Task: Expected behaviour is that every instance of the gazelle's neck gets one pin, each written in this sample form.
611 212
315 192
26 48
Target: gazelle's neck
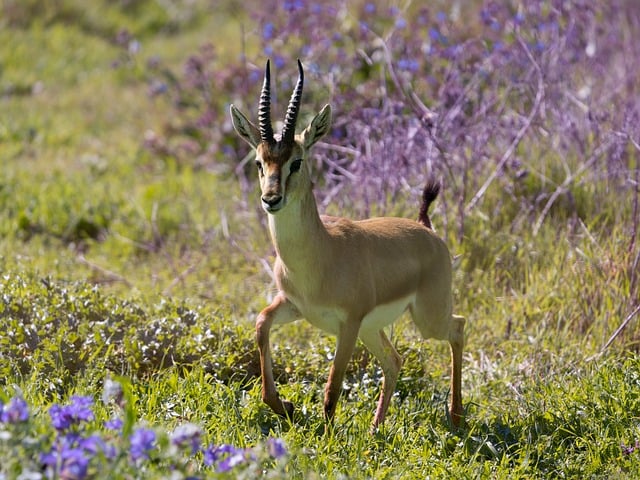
297 231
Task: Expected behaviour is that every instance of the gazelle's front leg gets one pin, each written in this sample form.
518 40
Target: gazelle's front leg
280 311
346 342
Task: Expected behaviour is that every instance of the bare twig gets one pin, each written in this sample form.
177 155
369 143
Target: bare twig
180 278
519 136
636 218
562 188
636 203
108 274
622 326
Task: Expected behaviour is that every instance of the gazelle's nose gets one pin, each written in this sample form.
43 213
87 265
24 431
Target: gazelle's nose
272 202
272 199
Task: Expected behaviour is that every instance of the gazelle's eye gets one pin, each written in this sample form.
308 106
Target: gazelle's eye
295 165
259 165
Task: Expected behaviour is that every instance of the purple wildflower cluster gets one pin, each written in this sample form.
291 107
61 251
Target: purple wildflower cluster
16 411
63 417
77 449
484 97
226 457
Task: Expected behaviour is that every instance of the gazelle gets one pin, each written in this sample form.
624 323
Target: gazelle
349 278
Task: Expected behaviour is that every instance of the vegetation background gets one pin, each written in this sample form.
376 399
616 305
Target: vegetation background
132 244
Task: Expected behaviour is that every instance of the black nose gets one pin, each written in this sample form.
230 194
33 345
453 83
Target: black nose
272 200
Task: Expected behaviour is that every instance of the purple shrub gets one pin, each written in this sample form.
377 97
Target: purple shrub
483 99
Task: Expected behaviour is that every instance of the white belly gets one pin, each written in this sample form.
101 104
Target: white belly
330 319
327 319
385 314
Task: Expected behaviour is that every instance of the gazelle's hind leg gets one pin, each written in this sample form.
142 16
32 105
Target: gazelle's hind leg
380 347
456 341
437 323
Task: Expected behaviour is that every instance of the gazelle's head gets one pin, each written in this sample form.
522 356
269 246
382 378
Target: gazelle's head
283 177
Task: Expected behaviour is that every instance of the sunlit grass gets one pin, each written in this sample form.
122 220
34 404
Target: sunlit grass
116 261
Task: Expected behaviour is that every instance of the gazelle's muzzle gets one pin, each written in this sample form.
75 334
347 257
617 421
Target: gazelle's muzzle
272 193
272 203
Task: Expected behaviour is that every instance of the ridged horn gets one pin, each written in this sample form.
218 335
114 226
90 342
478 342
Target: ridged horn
289 129
264 110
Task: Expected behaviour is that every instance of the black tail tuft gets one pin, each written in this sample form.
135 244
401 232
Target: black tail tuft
429 194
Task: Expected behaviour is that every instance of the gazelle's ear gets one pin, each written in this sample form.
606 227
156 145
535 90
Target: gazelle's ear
247 130
318 127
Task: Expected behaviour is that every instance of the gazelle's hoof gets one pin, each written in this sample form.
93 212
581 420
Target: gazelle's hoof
457 417
288 409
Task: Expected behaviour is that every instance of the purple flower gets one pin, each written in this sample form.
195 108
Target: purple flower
141 442
370 8
15 411
498 46
401 23
279 61
185 435
486 16
113 424
408 64
628 450
213 453
157 87
276 447
224 457
63 417
293 5
66 463
232 461
74 465
436 36
94 445
268 31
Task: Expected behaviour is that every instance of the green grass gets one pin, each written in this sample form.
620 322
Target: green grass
115 261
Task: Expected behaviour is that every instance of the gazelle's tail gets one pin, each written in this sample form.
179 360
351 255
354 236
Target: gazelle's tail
429 194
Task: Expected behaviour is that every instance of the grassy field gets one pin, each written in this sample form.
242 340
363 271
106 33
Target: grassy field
134 252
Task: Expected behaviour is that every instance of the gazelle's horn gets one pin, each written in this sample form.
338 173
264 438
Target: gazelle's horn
289 129
264 111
